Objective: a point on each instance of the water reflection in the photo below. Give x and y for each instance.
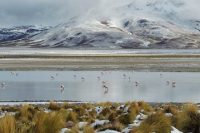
(118, 86)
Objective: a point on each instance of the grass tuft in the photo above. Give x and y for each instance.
(48, 123)
(7, 124)
(157, 123)
(189, 119)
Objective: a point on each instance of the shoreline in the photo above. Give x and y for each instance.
(70, 59)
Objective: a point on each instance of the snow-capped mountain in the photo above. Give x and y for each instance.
(19, 32)
(129, 24)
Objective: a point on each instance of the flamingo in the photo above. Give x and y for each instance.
(62, 88)
(99, 78)
(174, 84)
(82, 78)
(136, 83)
(52, 77)
(167, 82)
(105, 87)
(129, 79)
(124, 75)
(3, 85)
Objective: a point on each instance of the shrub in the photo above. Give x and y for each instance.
(128, 118)
(72, 116)
(189, 119)
(53, 106)
(26, 113)
(7, 124)
(88, 129)
(158, 123)
(112, 117)
(48, 123)
(146, 107)
(170, 109)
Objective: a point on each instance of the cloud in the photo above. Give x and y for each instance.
(53, 12)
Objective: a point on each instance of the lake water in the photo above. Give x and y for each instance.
(116, 86)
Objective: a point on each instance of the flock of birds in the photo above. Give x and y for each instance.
(105, 84)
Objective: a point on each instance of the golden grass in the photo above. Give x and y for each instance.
(48, 123)
(171, 109)
(189, 119)
(54, 106)
(72, 116)
(88, 129)
(157, 123)
(7, 124)
(33, 119)
(129, 117)
(26, 112)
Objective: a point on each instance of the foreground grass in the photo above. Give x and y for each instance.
(90, 118)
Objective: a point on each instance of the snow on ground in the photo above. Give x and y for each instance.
(168, 114)
(64, 130)
(82, 124)
(2, 114)
(109, 131)
(98, 109)
(99, 123)
(174, 130)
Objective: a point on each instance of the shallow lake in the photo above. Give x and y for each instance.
(116, 86)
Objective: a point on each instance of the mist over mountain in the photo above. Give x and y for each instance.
(120, 24)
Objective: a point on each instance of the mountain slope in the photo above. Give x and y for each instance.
(130, 24)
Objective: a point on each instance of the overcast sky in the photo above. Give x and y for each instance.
(53, 12)
(46, 12)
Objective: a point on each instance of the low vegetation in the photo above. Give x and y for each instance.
(91, 118)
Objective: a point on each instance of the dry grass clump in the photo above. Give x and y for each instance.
(74, 130)
(112, 117)
(173, 109)
(48, 123)
(144, 106)
(88, 129)
(80, 110)
(104, 113)
(9, 108)
(157, 123)
(26, 113)
(129, 117)
(189, 119)
(54, 106)
(7, 124)
(72, 116)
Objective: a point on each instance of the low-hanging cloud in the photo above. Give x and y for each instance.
(53, 12)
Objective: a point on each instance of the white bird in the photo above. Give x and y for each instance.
(52, 77)
(82, 78)
(14, 73)
(168, 82)
(173, 84)
(3, 85)
(129, 79)
(62, 88)
(124, 75)
(99, 78)
(136, 83)
(105, 87)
